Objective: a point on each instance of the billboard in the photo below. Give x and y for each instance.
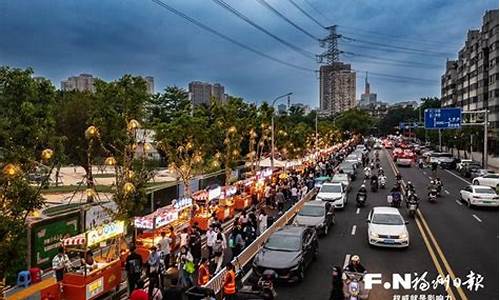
(442, 118)
(46, 236)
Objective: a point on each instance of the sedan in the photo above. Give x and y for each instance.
(479, 195)
(387, 228)
(344, 179)
(490, 180)
(334, 193)
(288, 252)
(317, 214)
(349, 169)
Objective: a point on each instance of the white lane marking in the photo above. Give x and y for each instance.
(247, 275)
(458, 202)
(425, 173)
(430, 177)
(468, 182)
(477, 218)
(346, 260)
(357, 211)
(353, 231)
(446, 191)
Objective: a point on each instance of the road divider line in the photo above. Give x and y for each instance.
(446, 191)
(353, 231)
(459, 202)
(430, 177)
(357, 211)
(441, 255)
(433, 256)
(468, 182)
(477, 218)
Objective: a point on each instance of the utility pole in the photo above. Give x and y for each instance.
(440, 147)
(272, 126)
(485, 144)
(332, 52)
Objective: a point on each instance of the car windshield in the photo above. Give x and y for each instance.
(312, 211)
(387, 219)
(328, 188)
(488, 191)
(446, 155)
(283, 242)
(339, 178)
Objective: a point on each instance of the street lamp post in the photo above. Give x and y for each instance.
(272, 126)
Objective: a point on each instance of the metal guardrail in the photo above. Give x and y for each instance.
(216, 283)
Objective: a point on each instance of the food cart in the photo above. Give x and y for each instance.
(147, 228)
(88, 282)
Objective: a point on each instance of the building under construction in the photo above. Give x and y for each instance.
(337, 82)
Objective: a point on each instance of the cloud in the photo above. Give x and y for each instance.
(59, 38)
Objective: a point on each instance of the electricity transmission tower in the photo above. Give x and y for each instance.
(332, 52)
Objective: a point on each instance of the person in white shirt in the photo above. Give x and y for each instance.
(295, 194)
(184, 237)
(60, 263)
(211, 238)
(165, 248)
(262, 222)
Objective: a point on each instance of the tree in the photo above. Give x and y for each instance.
(355, 121)
(396, 115)
(169, 105)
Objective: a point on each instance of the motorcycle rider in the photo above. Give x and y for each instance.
(374, 180)
(439, 184)
(382, 179)
(412, 199)
(432, 188)
(380, 171)
(337, 285)
(355, 265)
(362, 191)
(368, 172)
(421, 163)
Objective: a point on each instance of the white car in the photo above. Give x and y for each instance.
(387, 228)
(479, 195)
(404, 161)
(344, 179)
(377, 146)
(488, 180)
(334, 193)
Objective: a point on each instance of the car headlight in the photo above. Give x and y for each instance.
(403, 236)
(373, 235)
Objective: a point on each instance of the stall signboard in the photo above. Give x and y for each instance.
(98, 215)
(143, 223)
(94, 288)
(166, 218)
(182, 203)
(265, 173)
(105, 232)
(229, 191)
(214, 193)
(46, 236)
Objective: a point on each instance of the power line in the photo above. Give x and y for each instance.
(396, 61)
(276, 12)
(306, 14)
(227, 38)
(235, 12)
(399, 77)
(394, 46)
(317, 11)
(385, 49)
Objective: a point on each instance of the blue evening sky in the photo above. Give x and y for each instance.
(108, 38)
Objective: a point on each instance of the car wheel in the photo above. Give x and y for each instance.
(476, 182)
(300, 273)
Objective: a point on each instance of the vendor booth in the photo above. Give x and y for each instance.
(148, 228)
(99, 269)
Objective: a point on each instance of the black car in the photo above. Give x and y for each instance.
(470, 168)
(288, 252)
(447, 161)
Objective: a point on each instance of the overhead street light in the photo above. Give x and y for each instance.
(272, 126)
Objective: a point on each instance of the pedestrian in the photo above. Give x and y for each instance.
(219, 247)
(173, 239)
(173, 292)
(60, 264)
(184, 238)
(280, 200)
(230, 283)
(211, 236)
(262, 221)
(186, 268)
(165, 244)
(337, 292)
(249, 234)
(133, 267)
(243, 219)
(237, 241)
(195, 245)
(203, 273)
(153, 270)
(295, 194)
(139, 293)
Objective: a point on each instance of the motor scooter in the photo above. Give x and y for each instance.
(432, 195)
(381, 181)
(354, 287)
(374, 185)
(361, 199)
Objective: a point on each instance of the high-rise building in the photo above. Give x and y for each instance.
(82, 83)
(367, 98)
(337, 87)
(471, 81)
(203, 92)
(150, 84)
(282, 109)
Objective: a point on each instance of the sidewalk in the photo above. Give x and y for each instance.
(478, 156)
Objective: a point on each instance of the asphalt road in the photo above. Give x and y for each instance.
(446, 238)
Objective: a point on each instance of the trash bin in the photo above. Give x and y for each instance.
(198, 292)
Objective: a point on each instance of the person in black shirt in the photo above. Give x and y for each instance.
(133, 266)
(173, 292)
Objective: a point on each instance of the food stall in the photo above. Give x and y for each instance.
(149, 227)
(88, 281)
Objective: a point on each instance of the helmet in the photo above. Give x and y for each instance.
(432, 181)
(355, 258)
(363, 185)
(409, 182)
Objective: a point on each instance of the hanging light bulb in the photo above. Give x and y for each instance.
(47, 154)
(10, 170)
(133, 124)
(110, 161)
(128, 188)
(91, 132)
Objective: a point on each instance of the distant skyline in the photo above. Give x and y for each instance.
(62, 38)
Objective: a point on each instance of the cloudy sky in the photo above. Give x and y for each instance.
(405, 39)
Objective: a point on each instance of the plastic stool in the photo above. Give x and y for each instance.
(23, 278)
